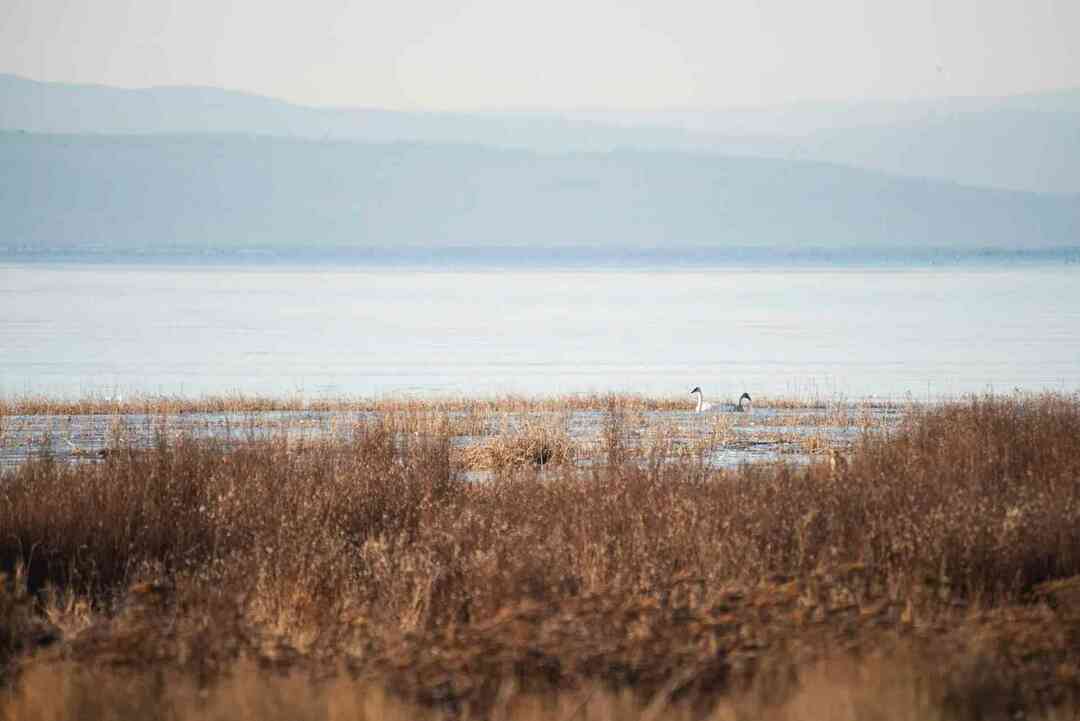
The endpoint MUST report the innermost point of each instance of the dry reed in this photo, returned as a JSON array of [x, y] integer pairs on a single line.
[[533, 443], [154, 405], [952, 534]]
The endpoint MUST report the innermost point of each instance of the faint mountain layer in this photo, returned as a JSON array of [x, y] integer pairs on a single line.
[[1024, 142], [229, 192], [1005, 148]]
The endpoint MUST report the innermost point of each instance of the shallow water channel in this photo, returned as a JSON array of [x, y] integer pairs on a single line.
[[721, 439]]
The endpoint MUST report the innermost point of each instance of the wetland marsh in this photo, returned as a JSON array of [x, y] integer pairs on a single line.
[[331, 563], [782, 428], [265, 492]]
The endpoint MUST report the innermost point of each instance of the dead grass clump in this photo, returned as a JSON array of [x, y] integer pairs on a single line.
[[533, 444]]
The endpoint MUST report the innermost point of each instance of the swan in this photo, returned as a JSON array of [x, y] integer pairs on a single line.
[[702, 405]]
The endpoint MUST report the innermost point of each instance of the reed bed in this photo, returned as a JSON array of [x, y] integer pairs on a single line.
[[894, 688], [156, 405], [368, 570], [480, 434]]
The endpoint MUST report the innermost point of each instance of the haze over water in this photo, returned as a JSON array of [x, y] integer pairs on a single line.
[[326, 330]]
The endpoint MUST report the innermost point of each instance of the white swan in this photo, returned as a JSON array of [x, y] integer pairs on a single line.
[[703, 406]]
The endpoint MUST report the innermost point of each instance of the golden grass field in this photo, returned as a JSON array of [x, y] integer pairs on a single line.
[[929, 569]]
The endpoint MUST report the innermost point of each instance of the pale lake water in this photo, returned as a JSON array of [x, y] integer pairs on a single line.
[[853, 332]]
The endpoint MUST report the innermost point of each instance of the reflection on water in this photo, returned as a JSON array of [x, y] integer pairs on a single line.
[[76, 330]]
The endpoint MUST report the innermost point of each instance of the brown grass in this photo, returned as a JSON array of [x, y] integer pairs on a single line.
[[894, 688], [643, 578]]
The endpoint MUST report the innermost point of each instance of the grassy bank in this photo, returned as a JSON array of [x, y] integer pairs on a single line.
[[937, 557], [156, 405]]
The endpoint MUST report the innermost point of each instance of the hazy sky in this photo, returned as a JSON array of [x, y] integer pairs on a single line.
[[560, 54]]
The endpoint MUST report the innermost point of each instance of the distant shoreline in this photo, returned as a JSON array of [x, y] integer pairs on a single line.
[[149, 404], [552, 258]]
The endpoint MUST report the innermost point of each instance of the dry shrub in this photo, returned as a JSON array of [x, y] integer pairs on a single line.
[[278, 517], [983, 495]]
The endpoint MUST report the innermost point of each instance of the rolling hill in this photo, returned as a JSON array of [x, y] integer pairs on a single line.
[[1024, 142], [226, 192]]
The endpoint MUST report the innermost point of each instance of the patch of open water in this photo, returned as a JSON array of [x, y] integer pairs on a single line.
[[73, 330]]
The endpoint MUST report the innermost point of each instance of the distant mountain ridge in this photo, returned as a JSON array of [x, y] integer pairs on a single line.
[[229, 192], [1023, 142]]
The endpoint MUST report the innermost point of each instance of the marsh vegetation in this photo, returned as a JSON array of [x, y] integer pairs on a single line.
[[933, 572], [484, 433]]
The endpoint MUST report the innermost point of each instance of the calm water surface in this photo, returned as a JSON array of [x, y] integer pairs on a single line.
[[75, 330]]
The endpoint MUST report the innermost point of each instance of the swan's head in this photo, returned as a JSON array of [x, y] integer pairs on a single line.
[[697, 389], [746, 396]]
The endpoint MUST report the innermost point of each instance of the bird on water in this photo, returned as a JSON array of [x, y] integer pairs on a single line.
[[703, 405]]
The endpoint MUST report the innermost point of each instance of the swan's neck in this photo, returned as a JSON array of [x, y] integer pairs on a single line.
[[700, 401], [739, 407]]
